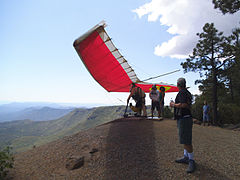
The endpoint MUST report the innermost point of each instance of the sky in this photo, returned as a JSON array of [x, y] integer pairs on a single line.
[[39, 64]]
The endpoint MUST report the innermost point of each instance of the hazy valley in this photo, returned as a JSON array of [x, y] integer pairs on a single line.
[[36, 128]]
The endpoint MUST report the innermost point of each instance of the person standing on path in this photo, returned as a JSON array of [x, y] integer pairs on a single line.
[[161, 100], [183, 115], [206, 110], [154, 96]]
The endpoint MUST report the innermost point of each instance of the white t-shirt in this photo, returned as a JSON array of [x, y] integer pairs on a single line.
[[154, 95]]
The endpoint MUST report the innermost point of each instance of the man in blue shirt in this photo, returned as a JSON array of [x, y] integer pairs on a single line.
[[206, 111]]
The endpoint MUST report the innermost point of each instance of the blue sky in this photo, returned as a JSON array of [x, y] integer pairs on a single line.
[[39, 63]]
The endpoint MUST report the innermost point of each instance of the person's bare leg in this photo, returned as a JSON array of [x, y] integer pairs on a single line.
[[144, 110], [189, 148], [162, 111]]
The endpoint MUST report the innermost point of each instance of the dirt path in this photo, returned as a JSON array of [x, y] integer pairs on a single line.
[[134, 149]]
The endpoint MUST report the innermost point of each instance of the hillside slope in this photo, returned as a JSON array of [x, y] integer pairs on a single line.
[[22, 135], [133, 148]]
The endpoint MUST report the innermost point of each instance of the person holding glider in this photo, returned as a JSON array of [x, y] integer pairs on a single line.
[[183, 115], [139, 97], [154, 96], [161, 100]]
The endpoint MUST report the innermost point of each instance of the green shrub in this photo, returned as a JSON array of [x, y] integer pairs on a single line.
[[229, 113], [168, 112], [6, 162]]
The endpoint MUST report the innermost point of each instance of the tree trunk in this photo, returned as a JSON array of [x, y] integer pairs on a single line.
[[231, 88], [215, 98], [214, 86]]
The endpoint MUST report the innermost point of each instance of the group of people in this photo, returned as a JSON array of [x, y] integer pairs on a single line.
[[182, 113], [156, 96]]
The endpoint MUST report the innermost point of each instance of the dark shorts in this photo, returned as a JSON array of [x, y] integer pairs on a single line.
[[140, 102], [185, 130], [155, 104]]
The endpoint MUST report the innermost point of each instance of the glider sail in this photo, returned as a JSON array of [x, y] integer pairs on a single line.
[[105, 63]]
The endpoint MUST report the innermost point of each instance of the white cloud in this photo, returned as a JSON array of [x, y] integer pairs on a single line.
[[185, 18]]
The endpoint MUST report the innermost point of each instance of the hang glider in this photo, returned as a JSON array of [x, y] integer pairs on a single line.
[[105, 63]]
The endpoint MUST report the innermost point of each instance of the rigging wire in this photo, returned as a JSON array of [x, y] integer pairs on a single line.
[[161, 75]]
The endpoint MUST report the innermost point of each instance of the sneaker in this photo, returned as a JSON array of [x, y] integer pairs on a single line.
[[191, 166], [183, 160]]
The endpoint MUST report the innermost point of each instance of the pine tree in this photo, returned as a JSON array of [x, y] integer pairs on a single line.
[[232, 68], [208, 59], [227, 6]]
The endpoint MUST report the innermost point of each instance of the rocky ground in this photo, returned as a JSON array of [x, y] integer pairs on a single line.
[[132, 148]]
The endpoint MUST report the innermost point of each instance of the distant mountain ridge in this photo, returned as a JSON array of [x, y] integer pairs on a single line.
[[35, 114], [31, 110], [19, 106]]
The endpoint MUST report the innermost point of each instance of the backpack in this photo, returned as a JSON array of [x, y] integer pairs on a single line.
[[137, 96]]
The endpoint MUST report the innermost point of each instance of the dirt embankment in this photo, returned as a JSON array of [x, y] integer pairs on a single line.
[[133, 149]]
